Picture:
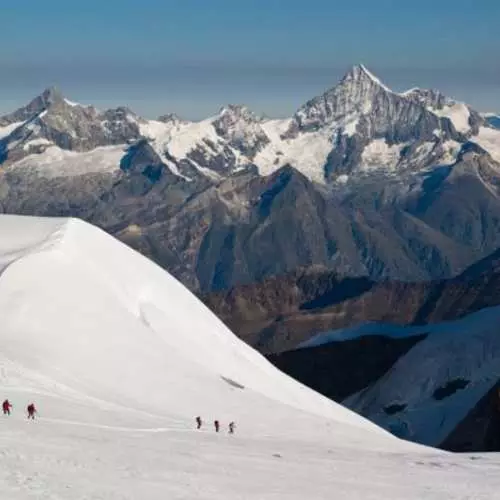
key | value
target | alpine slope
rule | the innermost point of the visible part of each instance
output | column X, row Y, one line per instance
column 120, row 358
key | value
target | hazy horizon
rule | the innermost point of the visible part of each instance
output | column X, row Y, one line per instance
column 191, row 58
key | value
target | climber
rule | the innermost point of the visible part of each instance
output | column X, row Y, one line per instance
column 31, row 411
column 6, row 406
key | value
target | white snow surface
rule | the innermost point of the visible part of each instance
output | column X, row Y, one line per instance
column 307, row 152
column 458, row 113
column 489, row 139
column 379, row 155
column 119, row 358
column 57, row 162
column 8, row 129
column 181, row 138
column 40, row 141
column 73, row 103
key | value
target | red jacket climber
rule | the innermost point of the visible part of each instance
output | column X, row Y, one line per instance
column 6, row 406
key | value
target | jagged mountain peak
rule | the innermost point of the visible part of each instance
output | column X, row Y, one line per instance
column 428, row 97
column 352, row 96
column 50, row 119
column 172, row 118
column 241, row 128
column 238, row 112
column 360, row 73
column 51, row 95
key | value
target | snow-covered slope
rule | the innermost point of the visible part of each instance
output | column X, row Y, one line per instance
column 489, row 139
column 459, row 113
column 75, row 297
column 119, row 357
column 57, row 162
column 8, row 129
column 465, row 352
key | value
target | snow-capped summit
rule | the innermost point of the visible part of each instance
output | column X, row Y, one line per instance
column 39, row 104
column 360, row 73
column 238, row 111
column 51, row 120
column 50, row 97
column 241, row 128
column 371, row 127
column 354, row 95
column 171, row 118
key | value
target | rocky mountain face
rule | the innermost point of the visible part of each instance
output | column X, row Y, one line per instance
column 361, row 180
column 241, row 129
column 479, row 429
column 340, row 369
column 282, row 312
column 51, row 120
column 361, row 109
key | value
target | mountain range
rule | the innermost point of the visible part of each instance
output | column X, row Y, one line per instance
column 367, row 205
column 361, row 180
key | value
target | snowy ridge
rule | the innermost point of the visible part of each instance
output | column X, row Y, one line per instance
column 120, row 358
column 141, row 301
column 374, row 78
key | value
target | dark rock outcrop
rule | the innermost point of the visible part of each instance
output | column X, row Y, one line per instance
column 339, row 369
column 480, row 430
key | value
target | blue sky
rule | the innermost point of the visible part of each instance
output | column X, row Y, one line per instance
column 193, row 56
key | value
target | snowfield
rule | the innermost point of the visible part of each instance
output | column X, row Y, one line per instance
column 119, row 358
column 57, row 162
column 8, row 129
